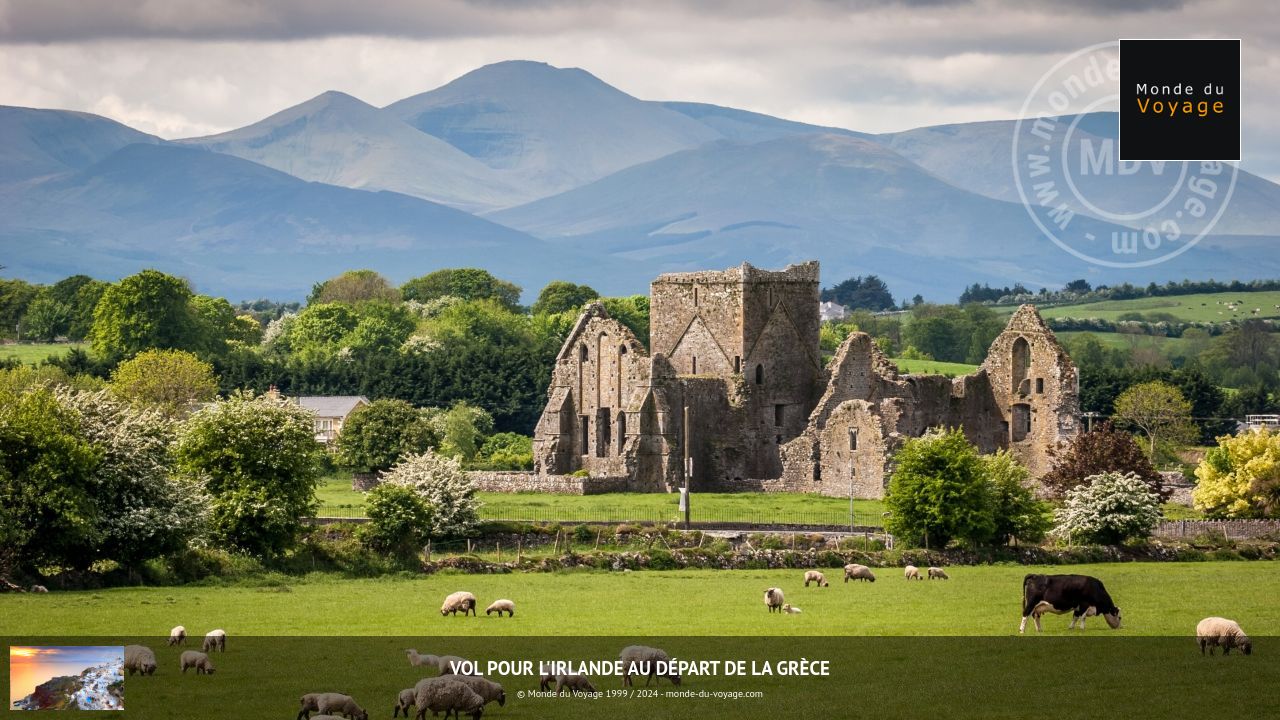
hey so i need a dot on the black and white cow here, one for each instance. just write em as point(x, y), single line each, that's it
point(1080, 595)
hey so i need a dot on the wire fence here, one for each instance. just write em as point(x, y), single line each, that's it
point(650, 516)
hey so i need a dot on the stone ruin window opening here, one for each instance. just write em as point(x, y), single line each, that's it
point(584, 429)
point(695, 364)
point(853, 439)
point(779, 412)
point(622, 430)
point(583, 353)
point(695, 296)
point(1039, 386)
point(759, 374)
point(1021, 421)
point(737, 363)
point(1020, 364)
point(605, 427)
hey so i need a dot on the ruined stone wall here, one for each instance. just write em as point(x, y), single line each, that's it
point(704, 306)
point(530, 481)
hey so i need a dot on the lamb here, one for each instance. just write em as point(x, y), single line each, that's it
point(485, 688)
point(791, 609)
point(331, 703)
point(633, 654)
point(139, 659)
point(575, 684)
point(403, 702)
point(215, 640)
point(858, 572)
point(460, 601)
point(773, 599)
point(501, 606)
point(1213, 632)
point(815, 576)
point(177, 636)
point(39, 589)
point(416, 659)
point(911, 572)
point(451, 696)
point(937, 573)
point(197, 660)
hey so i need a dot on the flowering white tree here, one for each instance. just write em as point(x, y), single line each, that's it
point(445, 489)
point(1109, 509)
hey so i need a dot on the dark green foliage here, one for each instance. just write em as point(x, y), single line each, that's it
point(464, 283)
point(1105, 449)
point(377, 435)
point(560, 296)
point(860, 293)
point(939, 492)
point(399, 520)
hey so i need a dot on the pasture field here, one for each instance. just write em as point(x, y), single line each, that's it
point(1202, 307)
point(1168, 346)
point(964, 661)
point(933, 367)
point(33, 353)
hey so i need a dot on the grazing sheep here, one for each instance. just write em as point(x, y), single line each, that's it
point(1213, 632)
point(139, 659)
point(403, 702)
point(911, 572)
point(460, 601)
point(197, 660)
point(215, 639)
point(177, 636)
point(451, 696)
point(937, 573)
point(773, 599)
point(815, 576)
point(633, 654)
point(450, 664)
point(501, 606)
point(791, 609)
point(331, 703)
point(416, 659)
point(39, 589)
point(858, 572)
point(575, 684)
point(544, 683)
point(485, 688)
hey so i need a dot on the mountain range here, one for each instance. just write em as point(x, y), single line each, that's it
point(540, 173)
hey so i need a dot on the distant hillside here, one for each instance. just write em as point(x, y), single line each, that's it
point(1201, 307)
point(39, 143)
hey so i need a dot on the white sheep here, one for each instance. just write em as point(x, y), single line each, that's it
point(197, 660)
point(484, 687)
point(574, 684)
point(773, 599)
point(815, 576)
point(854, 571)
point(460, 601)
point(451, 696)
point(501, 606)
point(403, 702)
point(911, 572)
point(177, 636)
point(331, 703)
point(415, 658)
point(937, 573)
point(633, 654)
point(139, 659)
point(791, 609)
point(546, 681)
point(1213, 632)
point(39, 589)
point(215, 640)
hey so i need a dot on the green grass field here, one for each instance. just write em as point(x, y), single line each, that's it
point(1204, 307)
point(1157, 599)
point(32, 353)
point(951, 651)
point(1167, 346)
point(934, 367)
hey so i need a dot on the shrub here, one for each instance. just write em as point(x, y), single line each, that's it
point(1105, 449)
point(1112, 508)
point(1016, 511)
point(400, 520)
point(445, 490)
point(1241, 477)
point(506, 451)
point(939, 492)
point(376, 436)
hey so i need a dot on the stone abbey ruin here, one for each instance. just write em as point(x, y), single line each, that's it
point(736, 352)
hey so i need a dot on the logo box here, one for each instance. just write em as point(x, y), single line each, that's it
point(1180, 100)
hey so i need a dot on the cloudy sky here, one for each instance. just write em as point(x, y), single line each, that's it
point(178, 68)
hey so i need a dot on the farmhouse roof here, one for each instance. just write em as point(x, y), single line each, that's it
point(332, 406)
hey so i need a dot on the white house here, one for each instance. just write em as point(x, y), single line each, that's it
point(331, 412)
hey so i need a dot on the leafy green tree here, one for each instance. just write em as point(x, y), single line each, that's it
point(462, 430)
point(464, 283)
point(506, 451)
point(446, 491)
point(1109, 510)
point(1017, 513)
point(46, 317)
point(215, 322)
point(353, 287)
point(381, 328)
point(1104, 449)
point(377, 435)
point(321, 327)
point(560, 296)
point(48, 512)
point(171, 381)
point(400, 520)
point(15, 296)
point(1159, 412)
point(939, 492)
point(144, 311)
point(258, 460)
point(1240, 478)
point(867, 293)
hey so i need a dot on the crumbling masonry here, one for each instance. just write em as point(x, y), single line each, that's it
point(737, 353)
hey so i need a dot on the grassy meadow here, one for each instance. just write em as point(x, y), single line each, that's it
point(32, 353)
point(1202, 307)
point(933, 367)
